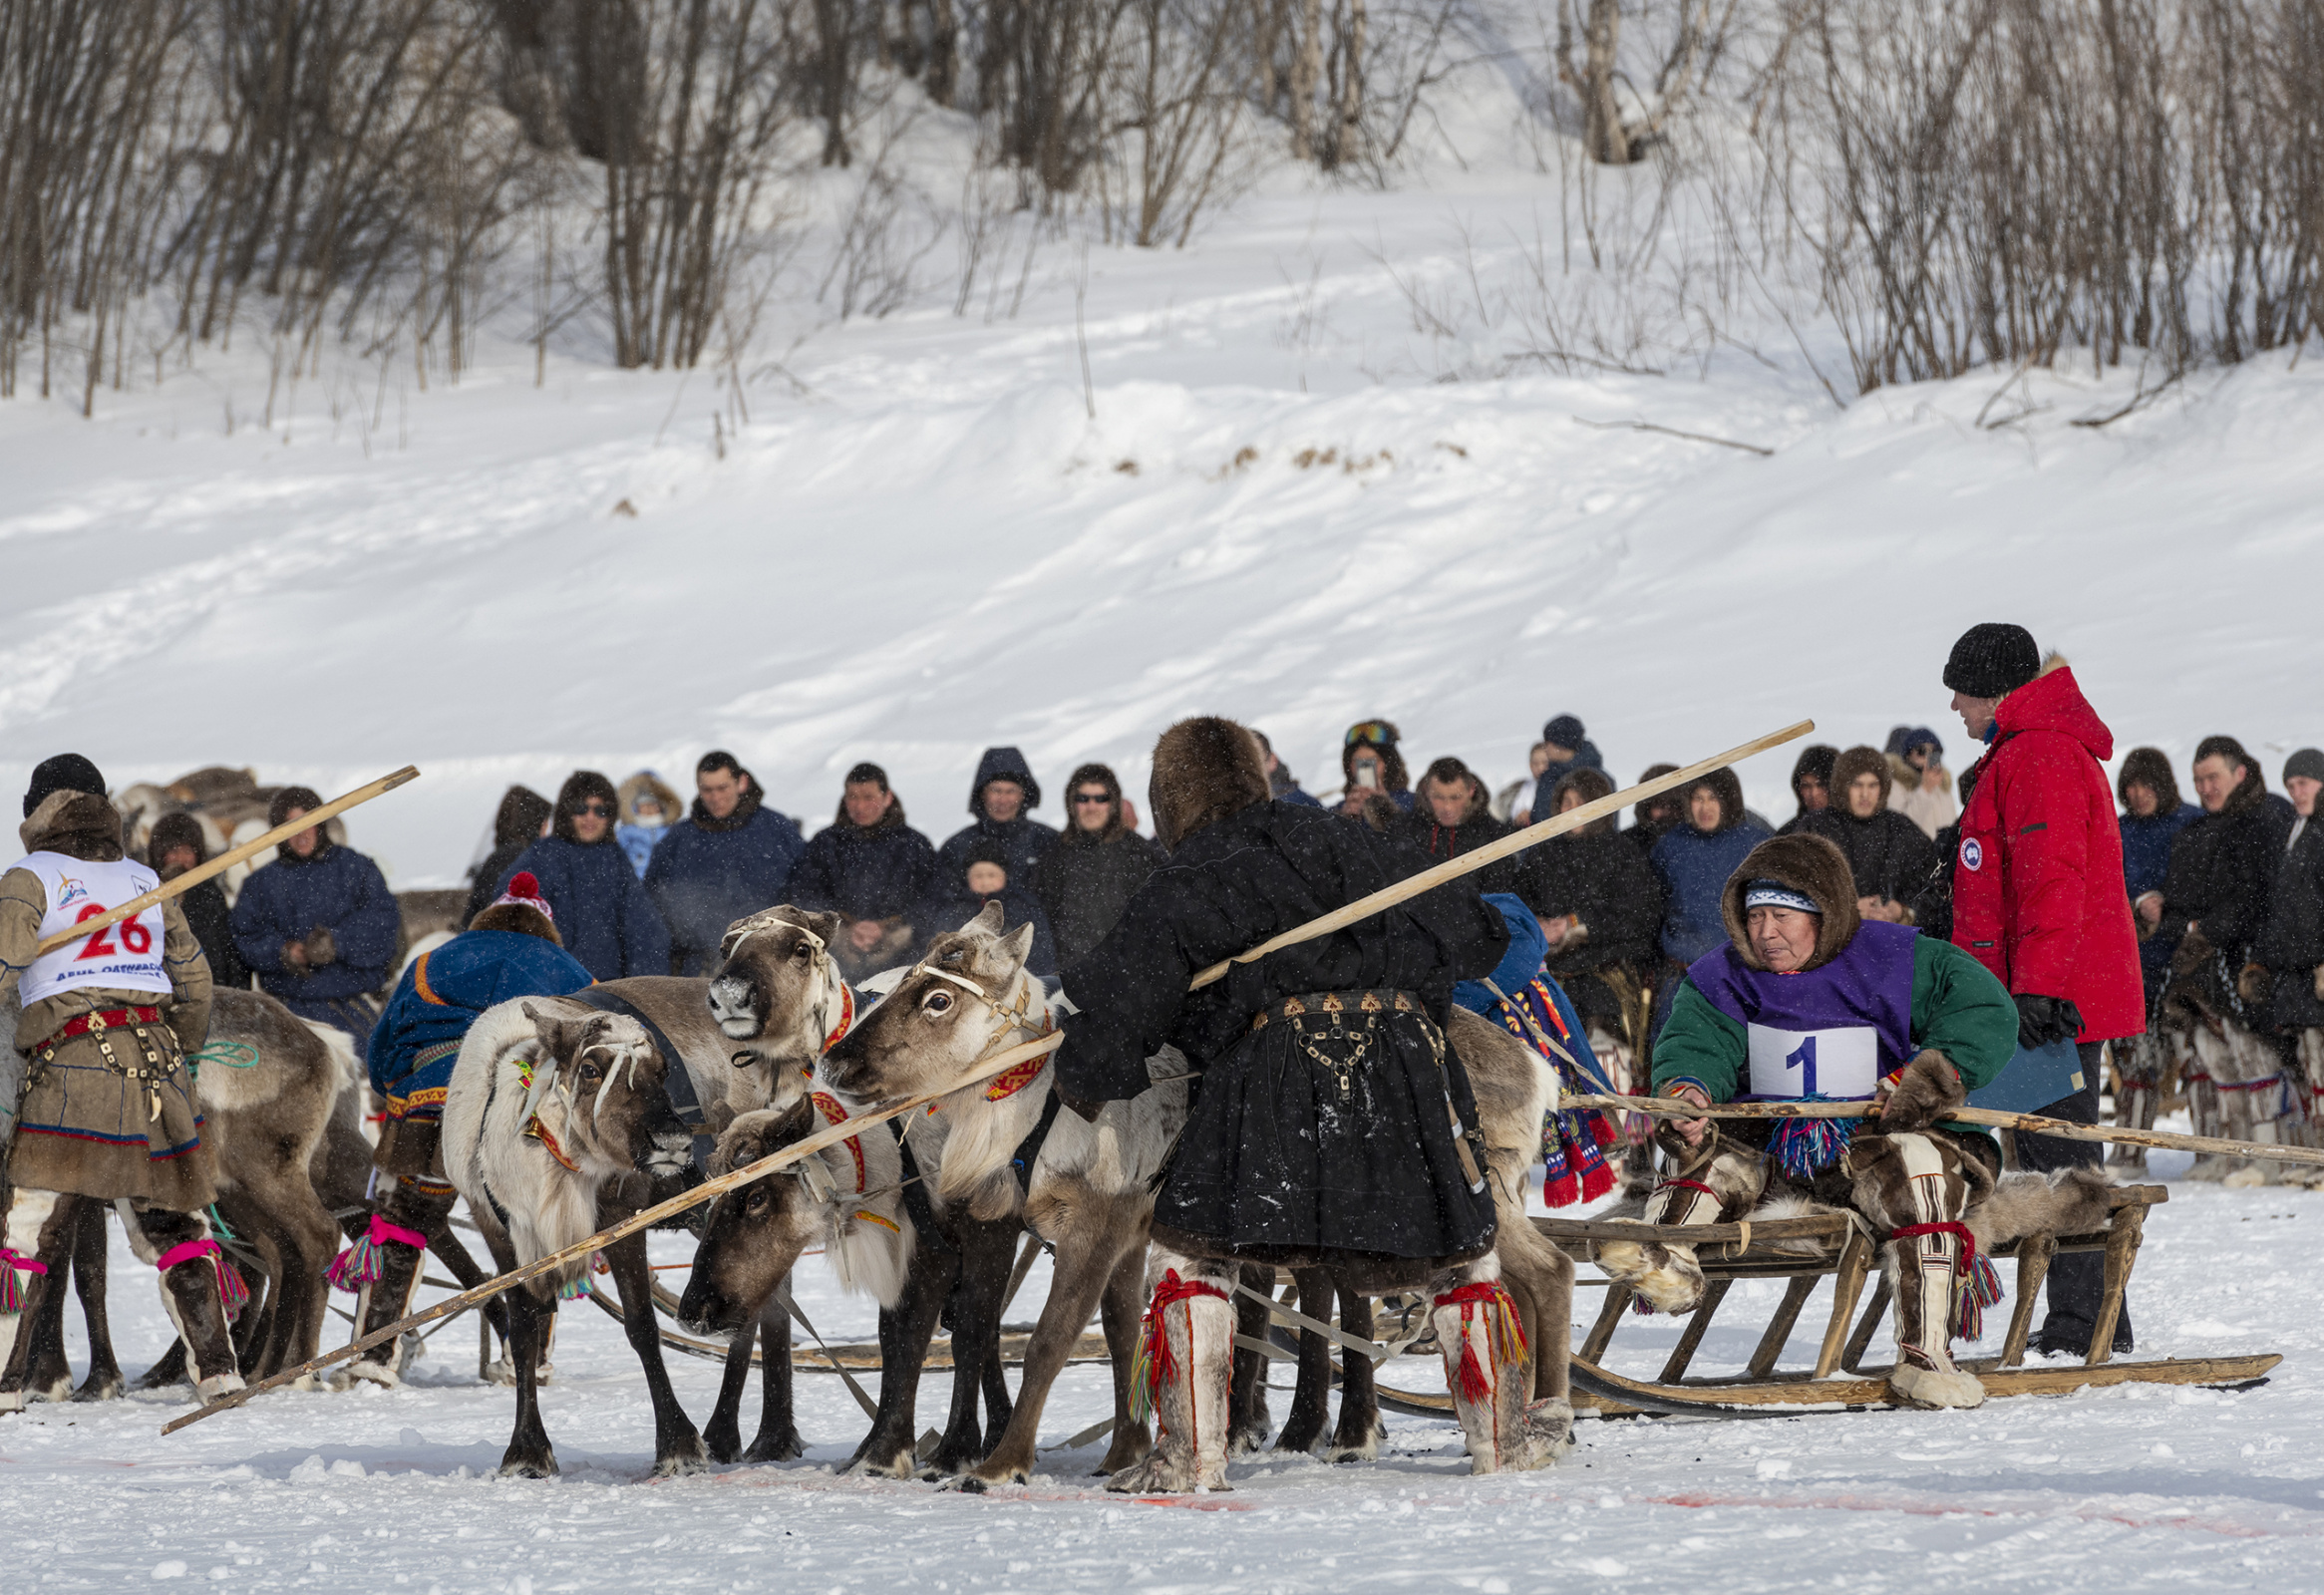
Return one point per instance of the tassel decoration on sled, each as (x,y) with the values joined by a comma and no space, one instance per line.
(1503,1332)
(12,1293)
(1805,1147)
(359,1264)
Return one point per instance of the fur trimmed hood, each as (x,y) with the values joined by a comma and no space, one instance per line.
(1863,761)
(1809,864)
(646,784)
(1729,789)
(1204,770)
(1093,776)
(78,825)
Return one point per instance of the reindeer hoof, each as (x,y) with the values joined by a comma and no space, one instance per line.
(106,1389)
(681,1459)
(781,1448)
(11,1401)
(540,1465)
(970,1484)
(210,1388)
(2247,1177)
(1366,1450)
(898,1464)
(363,1371)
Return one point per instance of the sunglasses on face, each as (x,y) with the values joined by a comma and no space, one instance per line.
(597,808)
(1092,797)
(1376,733)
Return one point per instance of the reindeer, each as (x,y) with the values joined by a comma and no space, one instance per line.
(559,1117)
(850,1201)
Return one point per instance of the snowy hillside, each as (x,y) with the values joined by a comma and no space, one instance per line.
(919,542)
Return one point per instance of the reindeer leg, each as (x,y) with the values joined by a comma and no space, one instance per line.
(1086,1265)
(1246,1399)
(677,1447)
(987,1251)
(1311,1404)
(777,1439)
(48,1375)
(300,1296)
(36,1225)
(104,1382)
(529,1454)
(904,1333)
(722,1436)
(1360,1432)
(1122,1309)
(995,1379)
(446,1249)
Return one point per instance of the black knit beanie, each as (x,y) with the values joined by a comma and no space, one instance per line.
(64,772)
(2308,762)
(1992,660)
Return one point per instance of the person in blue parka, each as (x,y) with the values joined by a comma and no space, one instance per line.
(318,925)
(726,859)
(510,950)
(608,922)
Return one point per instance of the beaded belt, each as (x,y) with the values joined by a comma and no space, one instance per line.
(155,1065)
(101,1020)
(1340,1005)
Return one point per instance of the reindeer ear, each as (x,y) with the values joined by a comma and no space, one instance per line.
(1015,947)
(987,922)
(827,926)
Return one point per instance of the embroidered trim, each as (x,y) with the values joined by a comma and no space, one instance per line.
(834,1113)
(420,982)
(884,1222)
(1015,1078)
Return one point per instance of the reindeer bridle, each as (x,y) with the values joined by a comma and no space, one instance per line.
(830,987)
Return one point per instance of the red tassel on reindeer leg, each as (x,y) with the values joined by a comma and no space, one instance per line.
(1488,1367)
(1185,1360)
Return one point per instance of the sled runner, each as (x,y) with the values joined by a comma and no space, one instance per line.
(1841,1250)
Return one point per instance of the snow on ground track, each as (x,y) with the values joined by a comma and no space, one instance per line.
(2130,1488)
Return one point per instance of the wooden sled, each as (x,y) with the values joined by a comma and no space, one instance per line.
(1728,1252)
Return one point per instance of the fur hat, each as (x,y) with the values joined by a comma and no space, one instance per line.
(61,773)
(1096,775)
(1591,784)
(1204,770)
(79,824)
(2149,767)
(1726,788)
(1863,761)
(1992,660)
(645,784)
(579,787)
(520,908)
(173,832)
(1810,866)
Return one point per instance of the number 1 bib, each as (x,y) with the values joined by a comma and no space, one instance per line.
(124,957)
(1842,1062)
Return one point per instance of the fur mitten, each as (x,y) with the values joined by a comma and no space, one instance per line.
(2252,984)
(322,948)
(1926,1090)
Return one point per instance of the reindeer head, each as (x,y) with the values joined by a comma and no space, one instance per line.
(753,1235)
(932,1027)
(600,1087)
(776,990)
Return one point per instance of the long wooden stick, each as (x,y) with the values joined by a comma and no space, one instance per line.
(1493,851)
(828,1136)
(228,860)
(2029,1124)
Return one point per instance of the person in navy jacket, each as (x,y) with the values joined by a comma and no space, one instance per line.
(318,925)
(602,911)
(728,859)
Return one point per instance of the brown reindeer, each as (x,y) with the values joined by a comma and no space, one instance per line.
(558,1122)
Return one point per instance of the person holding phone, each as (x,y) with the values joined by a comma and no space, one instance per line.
(1372,767)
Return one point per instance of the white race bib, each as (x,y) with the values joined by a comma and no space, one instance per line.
(127,956)
(1839,1063)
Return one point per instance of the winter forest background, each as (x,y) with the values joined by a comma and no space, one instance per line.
(509,383)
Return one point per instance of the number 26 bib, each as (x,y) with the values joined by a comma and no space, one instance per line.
(1843,1064)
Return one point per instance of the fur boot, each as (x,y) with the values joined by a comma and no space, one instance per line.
(180,1246)
(1917,1188)
(416,1207)
(21,1235)
(1713,1178)
(1489,1369)
(1186,1361)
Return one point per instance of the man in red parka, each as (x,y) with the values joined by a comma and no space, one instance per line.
(2038,898)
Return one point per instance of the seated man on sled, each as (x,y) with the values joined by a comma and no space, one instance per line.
(1334,1126)
(1807,1003)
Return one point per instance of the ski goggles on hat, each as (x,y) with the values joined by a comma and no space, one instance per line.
(1775,894)
(1373,733)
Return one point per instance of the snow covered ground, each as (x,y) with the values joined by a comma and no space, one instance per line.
(2130,1488)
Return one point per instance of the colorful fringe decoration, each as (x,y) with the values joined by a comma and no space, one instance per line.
(1805,1146)
(1983,1287)
(1503,1332)
(1573,1163)
(578,1286)
(1156,1364)
(233,1295)
(12,1293)
(359,1264)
